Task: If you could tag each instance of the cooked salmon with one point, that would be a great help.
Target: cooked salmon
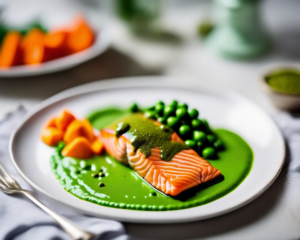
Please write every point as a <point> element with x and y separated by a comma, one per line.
<point>184,171</point>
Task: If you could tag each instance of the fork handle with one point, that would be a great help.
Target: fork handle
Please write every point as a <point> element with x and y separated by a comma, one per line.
<point>74,231</point>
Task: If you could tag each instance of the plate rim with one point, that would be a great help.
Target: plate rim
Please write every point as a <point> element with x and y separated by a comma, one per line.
<point>128,82</point>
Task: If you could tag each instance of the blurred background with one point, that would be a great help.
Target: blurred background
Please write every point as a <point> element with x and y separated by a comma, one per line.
<point>224,43</point>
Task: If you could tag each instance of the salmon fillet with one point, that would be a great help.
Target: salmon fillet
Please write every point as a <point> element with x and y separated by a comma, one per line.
<point>185,170</point>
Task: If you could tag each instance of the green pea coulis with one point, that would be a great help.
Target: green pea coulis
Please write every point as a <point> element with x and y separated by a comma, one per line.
<point>122,188</point>
<point>144,135</point>
<point>285,81</point>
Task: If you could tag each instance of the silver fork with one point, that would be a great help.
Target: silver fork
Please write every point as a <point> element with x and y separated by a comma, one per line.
<point>11,186</point>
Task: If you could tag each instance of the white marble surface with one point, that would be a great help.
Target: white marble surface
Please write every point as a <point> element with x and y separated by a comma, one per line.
<point>274,215</point>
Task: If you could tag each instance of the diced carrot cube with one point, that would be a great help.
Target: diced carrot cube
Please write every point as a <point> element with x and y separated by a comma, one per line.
<point>97,147</point>
<point>79,129</point>
<point>80,148</point>
<point>63,121</point>
<point>51,136</point>
<point>88,130</point>
<point>51,123</point>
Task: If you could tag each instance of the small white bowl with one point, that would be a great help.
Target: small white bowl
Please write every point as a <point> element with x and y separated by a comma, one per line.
<point>284,101</point>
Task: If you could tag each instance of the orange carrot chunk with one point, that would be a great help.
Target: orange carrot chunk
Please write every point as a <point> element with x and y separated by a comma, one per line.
<point>55,42</point>
<point>35,53</point>
<point>63,121</point>
<point>51,136</point>
<point>88,130</point>
<point>51,123</point>
<point>80,37</point>
<point>34,36</point>
<point>97,147</point>
<point>79,128</point>
<point>80,148</point>
<point>10,53</point>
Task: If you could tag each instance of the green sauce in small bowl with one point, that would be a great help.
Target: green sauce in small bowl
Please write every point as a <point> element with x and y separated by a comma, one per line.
<point>285,81</point>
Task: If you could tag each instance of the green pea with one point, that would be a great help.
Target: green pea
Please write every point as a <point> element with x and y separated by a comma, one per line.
<point>200,147</point>
<point>134,108</point>
<point>194,113</point>
<point>181,113</point>
<point>211,138</point>
<point>162,120</point>
<point>169,111</point>
<point>190,143</point>
<point>159,109</point>
<point>206,125</point>
<point>218,144</point>
<point>199,136</point>
<point>185,130</point>
<point>185,122</point>
<point>174,104</point>
<point>150,114</point>
<point>172,122</point>
<point>151,108</point>
<point>184,105</point>
<point>197,124</point>
<point>160,103</point>
<point>208,152</point>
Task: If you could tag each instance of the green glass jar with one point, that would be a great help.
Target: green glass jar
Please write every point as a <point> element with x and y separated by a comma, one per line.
<point>239,32</point>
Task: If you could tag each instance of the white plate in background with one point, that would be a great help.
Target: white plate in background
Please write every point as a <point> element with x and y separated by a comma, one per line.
<point>102,42</point>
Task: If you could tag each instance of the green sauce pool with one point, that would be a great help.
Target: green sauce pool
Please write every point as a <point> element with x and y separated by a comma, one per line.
<point>105,181</point>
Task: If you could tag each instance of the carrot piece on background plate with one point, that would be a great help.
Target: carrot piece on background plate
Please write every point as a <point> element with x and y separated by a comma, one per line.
<point>10,53</point>
<point>35,53</point>
<point>64,120</point>
<point>81,36</point>
<point>34,36</point>
<point>51,136</point>
<point>79,128</point>
<point>97,147</point>
<point>55,42</point>
<point>80,147</point>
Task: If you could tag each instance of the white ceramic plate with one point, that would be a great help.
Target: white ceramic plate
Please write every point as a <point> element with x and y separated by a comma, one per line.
<point>101,43</point>
<point>226,110</point>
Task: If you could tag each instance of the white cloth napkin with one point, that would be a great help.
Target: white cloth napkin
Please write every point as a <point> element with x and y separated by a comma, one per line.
<point>20,219</point>
<point>290,126</point>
